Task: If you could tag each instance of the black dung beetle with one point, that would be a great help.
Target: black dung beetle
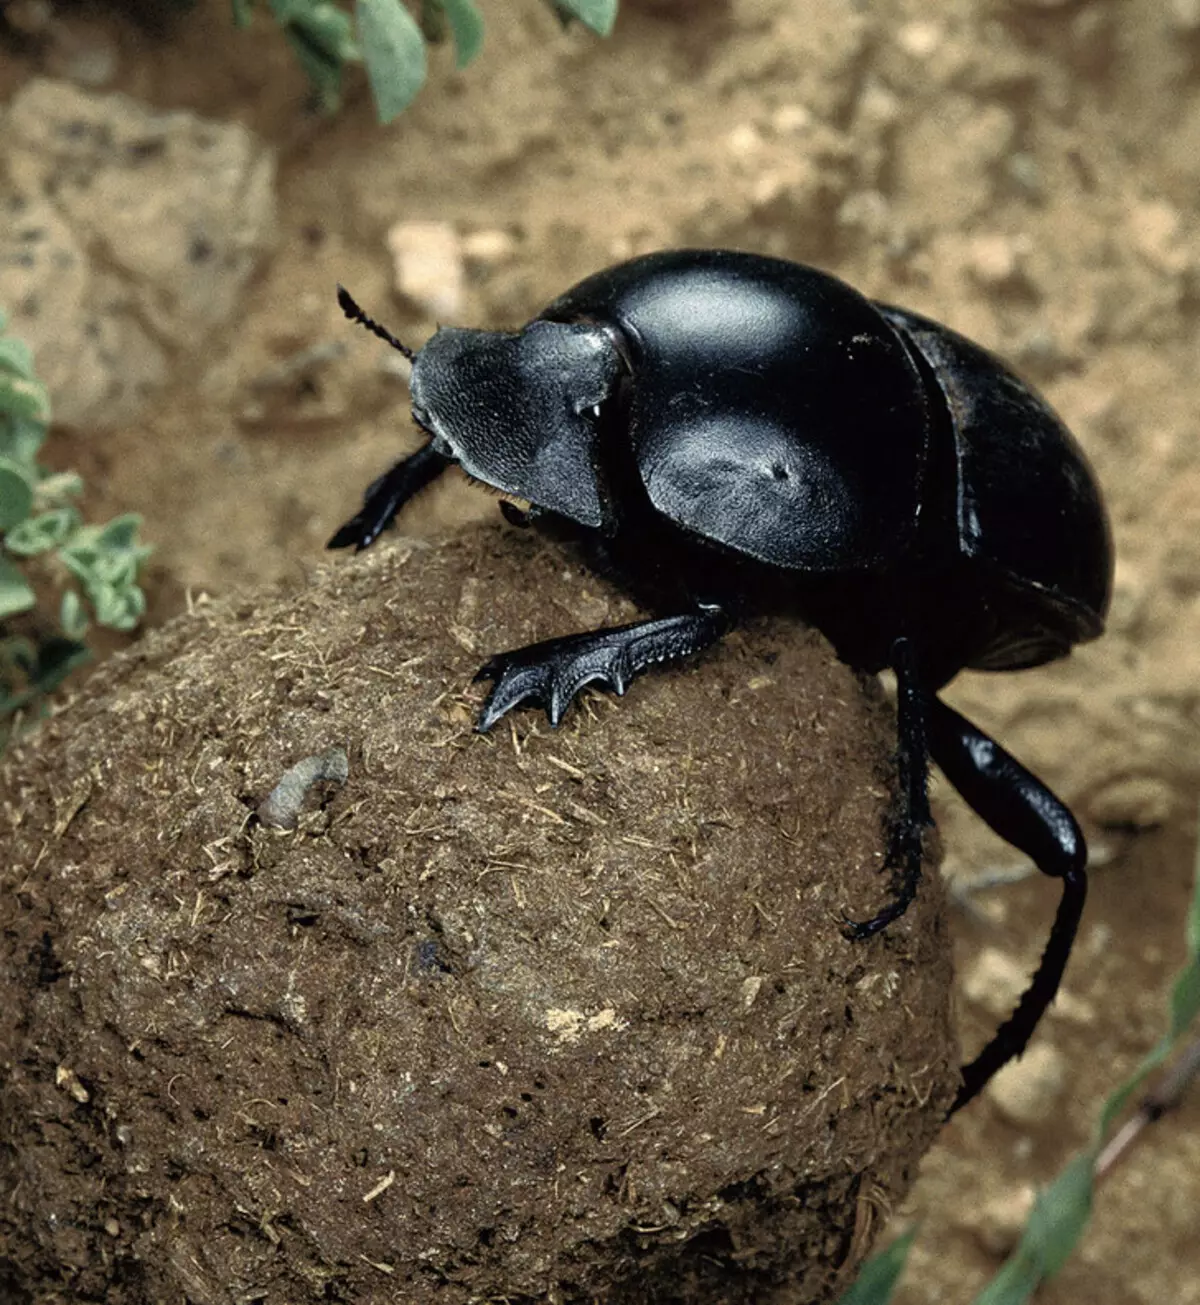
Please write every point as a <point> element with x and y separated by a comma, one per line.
<point>727,433</point>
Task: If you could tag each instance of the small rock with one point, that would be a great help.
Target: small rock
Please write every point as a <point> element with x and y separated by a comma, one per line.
<point>744,140</point>
<point>1132,802</point>
<point>793,119</point>
<point>1156,232</point>
<point>878,107</point>
<point>69,1082</point>
<point>429,267</point>
<point>920,39</point>
<point>996,261</point>
<point>750,988</point>
<point>1074,1010</point>
<point>995,982</point>
<point>1185,15</point>
<point>1027,1091</point>
<point>997,1227</point>
<point>489,248</point>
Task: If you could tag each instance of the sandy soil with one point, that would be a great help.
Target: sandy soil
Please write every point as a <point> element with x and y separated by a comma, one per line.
<point>1026,172</point>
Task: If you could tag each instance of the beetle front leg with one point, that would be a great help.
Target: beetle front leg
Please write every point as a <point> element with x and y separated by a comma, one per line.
<point>552,672</point>
<point>387,494</point>
<point>1024,812</point>
<point>907,837</point>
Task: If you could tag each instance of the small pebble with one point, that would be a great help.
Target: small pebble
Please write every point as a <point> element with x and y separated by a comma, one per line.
<point>489,248</point>
<point>69,1082</point>
<point>1027,1091</point>
<point>878,106</point>
<point>429,268</point>
<point>792,119</point>
<point>1156,232</point>
<point>744,140</point>
<point>996,261</point>
<point>995,982</point>
<point>997,1227</point>
<point>920,39</point>
<point>1132,802</point>
<point>1185,15</point>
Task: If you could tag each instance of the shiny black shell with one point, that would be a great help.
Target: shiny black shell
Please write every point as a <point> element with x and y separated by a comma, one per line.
<point>899,469</point>
<point>755,403</point>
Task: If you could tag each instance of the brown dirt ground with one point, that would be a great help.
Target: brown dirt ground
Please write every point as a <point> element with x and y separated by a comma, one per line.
<point>1026,172</point>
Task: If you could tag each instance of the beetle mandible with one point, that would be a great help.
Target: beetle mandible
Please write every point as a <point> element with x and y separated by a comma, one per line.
<point>728,433</point>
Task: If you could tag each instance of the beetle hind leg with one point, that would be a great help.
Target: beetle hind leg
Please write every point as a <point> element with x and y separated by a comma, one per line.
<point>906,837</point>
<point>386,495</point>
<point>552,672</point>
<point>1024,812</point>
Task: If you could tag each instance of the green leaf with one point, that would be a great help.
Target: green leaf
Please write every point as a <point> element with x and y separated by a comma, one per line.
<point>45,668</point>
<point>321,34</point>
<point>394,52</point>
<point>16,494</point>
<point>879,1275</point>
<point>466,26</point>
<point>1055,1225</point>
<point>59,485</point>
<point>119,609</point>
<point>15,593</point>
<point>16,356</point>
<point>81,557</point>
<point>120,532</point>
<point>243,12</point>
<point>21,437</point>
<point>71,615</point>
<point>599,15</point>
<point>56,658</point>
<point>16,654</point>
<point>25,399</point>
<point>40,533</point>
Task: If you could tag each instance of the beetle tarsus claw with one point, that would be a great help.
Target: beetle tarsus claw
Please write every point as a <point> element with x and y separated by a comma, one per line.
<point>553,672</point>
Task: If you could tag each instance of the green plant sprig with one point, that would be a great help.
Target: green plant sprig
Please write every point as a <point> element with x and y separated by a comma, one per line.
<point>39,520</point>
<point>386,37</point>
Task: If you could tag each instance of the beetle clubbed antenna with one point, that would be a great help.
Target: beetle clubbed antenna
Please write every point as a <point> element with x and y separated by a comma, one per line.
<point>356,314</point>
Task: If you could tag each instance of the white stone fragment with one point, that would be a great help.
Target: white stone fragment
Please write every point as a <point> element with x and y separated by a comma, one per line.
<point>995,982</point>
<point>489,248</point>
<point>1027,1091</point>
<point>429,266</point>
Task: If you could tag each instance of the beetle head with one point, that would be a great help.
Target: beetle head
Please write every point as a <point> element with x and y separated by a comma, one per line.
<point>516,410</point>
